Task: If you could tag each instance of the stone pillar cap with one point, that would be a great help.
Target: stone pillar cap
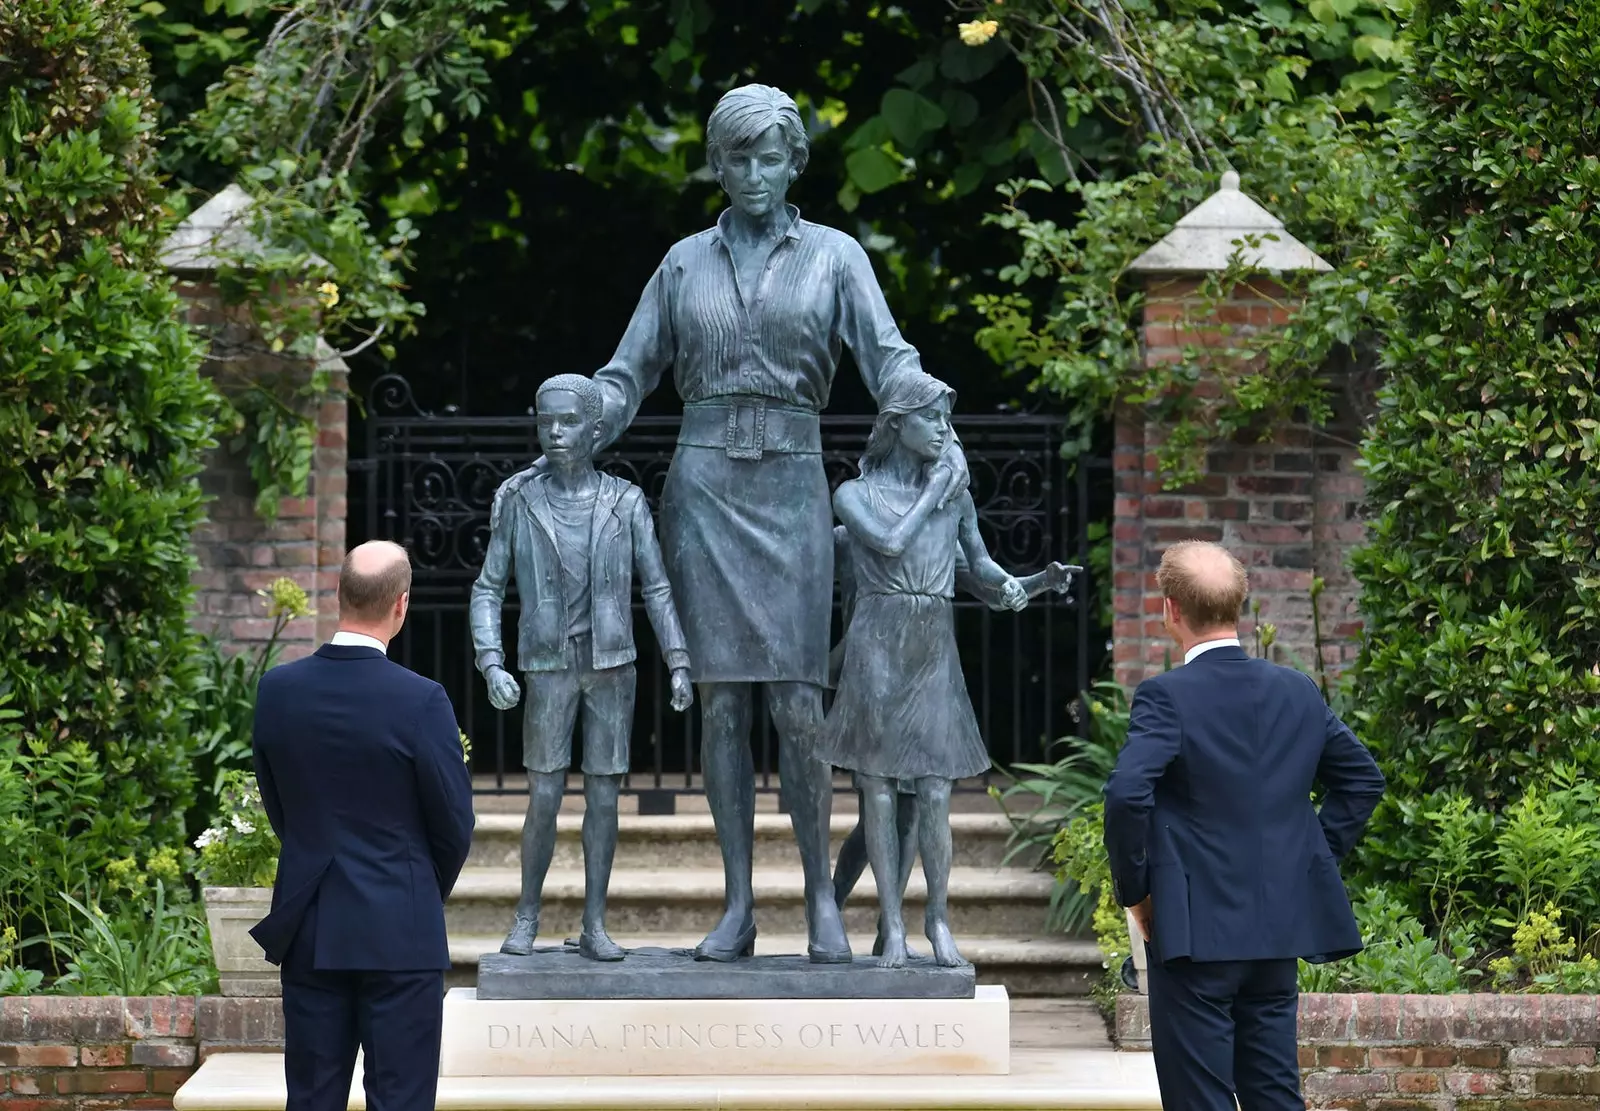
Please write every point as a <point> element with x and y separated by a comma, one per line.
<point>1205,240</point>
<point>220,226</point>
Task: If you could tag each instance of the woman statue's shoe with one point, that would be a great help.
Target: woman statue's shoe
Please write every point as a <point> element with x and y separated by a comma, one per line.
<point>712,948</point>
<point>599,947</point>
<point>828,944</point>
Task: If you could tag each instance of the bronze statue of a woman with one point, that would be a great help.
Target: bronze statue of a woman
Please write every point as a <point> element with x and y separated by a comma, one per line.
<point>750,316</point>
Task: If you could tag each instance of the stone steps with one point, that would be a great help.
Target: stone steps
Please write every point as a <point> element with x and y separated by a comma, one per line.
<point>667,888</point>
<point>690,840</point>
<point>683,900</point>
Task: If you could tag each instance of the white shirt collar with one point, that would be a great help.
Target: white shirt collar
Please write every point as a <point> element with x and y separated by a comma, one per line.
<point>362,640</point>
<point>1207,645</point>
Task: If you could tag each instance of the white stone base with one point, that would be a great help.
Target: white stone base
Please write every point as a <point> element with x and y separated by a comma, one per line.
<point>1040,1080</point>
<point>726,1037</point>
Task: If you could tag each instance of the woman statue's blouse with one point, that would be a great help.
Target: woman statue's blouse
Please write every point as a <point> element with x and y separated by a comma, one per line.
<point>780,340</point>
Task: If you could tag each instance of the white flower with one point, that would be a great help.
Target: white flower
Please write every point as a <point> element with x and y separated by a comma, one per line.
<point>208,838</point>
<point>240,824</point>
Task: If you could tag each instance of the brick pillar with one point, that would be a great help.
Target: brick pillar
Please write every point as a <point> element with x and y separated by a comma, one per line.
<point>239,552</point>
<point>1287,507</point>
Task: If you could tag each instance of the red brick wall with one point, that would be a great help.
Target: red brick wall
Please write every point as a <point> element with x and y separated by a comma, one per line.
<point>239,553</point>
<point>1435,1052</point>
<point>1287,507</point>
<point>60,1053</point>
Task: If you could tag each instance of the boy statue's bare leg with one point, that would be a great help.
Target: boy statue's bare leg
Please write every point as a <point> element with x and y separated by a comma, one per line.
<point>599,849</point>
<point>538,847</point>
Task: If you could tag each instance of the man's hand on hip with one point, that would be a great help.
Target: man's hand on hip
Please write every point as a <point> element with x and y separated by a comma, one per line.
<point>1142,917</point>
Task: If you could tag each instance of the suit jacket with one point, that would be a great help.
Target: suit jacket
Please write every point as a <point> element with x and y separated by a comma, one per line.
<point>522,543</point>
<point>1209,812</point>
<point>361,772</point>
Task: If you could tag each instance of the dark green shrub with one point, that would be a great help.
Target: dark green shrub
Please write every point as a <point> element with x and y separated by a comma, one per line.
<point>1481,666</point>
<point>104,420</point>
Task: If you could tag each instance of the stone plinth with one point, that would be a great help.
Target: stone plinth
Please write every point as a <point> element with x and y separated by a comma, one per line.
<point>726,1037</point>
<point>652,973</point>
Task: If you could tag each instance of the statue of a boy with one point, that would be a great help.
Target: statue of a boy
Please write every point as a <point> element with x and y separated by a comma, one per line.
<point>572,538</point>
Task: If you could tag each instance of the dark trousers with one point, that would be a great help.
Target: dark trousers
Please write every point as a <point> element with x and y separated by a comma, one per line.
<point>1224,1029</point>
<point>394,1018</point>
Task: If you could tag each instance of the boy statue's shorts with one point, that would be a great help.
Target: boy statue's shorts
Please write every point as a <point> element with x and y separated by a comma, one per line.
<point>552,702</point>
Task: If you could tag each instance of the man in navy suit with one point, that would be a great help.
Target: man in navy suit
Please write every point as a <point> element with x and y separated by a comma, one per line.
<point>1229,869</point>
<point>361,772</point>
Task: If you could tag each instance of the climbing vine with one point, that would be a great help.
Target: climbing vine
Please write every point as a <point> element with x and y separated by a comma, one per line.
<point>304,277</point>
<point>1139,108</point>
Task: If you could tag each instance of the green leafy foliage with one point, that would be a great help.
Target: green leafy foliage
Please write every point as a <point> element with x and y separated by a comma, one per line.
<point>14,979</point>
<point>1400,957</point>
<point>60,830</point>
<point>291,126</point>
<point>20,981</point>
<point>1052,808</point>
<point>1078,852</point>
<point>587,162</point>
<point>1480,577</point>
<point>155,950</point>
<point>104,422</point>
<point>239,849</point>
<point>1138,109</point>
<point>1542,957</point>
<point>223,718</point>
<point>1463,865</point>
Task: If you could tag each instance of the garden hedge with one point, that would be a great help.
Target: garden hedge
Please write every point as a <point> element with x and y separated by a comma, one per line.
<point>1481,667</point>
<point>104,424</point>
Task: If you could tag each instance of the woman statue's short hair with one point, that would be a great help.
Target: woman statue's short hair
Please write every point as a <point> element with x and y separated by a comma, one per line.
<point>744,114</point>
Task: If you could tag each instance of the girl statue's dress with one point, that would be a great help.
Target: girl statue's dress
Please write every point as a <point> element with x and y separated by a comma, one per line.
<point>901,715</point>
<point>901,710</point>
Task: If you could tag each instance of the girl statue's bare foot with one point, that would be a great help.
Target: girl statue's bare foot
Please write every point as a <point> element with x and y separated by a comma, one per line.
<point>911,954</point>
<point>894,951</point>
<point>944,945</point>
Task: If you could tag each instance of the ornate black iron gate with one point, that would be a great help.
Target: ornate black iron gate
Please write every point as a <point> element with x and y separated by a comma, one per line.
<point>428,480</point>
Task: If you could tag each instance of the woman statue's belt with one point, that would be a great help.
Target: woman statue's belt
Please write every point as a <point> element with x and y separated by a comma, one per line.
<point>748,427</point>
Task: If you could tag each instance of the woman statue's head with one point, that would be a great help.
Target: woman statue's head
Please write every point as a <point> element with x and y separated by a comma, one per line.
<point>914,416</point>
<point>756,146</point>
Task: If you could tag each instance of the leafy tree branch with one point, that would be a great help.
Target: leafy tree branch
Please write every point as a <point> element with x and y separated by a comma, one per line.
<point>313,277</point>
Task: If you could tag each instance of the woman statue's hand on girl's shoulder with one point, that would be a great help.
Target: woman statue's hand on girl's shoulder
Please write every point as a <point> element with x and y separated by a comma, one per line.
<point>954,462</point>
<point>938,476</point>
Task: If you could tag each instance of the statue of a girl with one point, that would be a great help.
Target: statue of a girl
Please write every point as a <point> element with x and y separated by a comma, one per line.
<point>901,714</point>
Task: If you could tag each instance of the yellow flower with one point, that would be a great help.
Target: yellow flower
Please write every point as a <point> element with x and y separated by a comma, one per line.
<point>164,866</point>
<point>286,597</point>
<point>978,32</point>
<point>329,293</point>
